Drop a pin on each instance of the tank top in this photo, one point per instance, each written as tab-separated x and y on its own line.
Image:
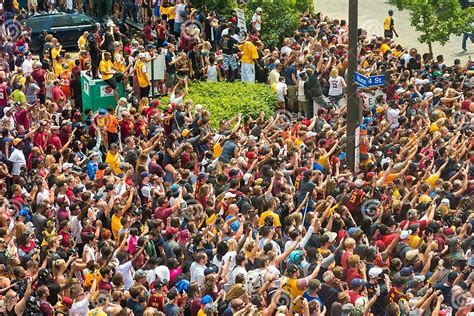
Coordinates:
335	86
142	77
3	96
119	65
65	82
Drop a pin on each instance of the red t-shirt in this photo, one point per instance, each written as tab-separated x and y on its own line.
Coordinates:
55	141
351	275
353	296
163	213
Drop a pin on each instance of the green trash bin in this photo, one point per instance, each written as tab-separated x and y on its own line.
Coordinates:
97	94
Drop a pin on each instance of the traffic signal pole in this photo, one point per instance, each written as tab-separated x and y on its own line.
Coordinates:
352	137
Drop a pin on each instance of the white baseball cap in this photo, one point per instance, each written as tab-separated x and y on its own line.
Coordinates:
375	272
404	234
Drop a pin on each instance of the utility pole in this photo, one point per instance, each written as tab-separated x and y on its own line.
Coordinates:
353	110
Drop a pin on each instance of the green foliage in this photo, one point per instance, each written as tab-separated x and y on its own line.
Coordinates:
222	6
226	99
437	20
279	18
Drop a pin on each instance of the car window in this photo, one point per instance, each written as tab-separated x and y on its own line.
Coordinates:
37	23
60	21
81	20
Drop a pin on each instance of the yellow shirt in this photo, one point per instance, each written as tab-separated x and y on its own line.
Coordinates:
58	68
387	23
424	199
54	53
249	52
323	160
217	150
413	241
171	13
82	41
291	287
119	62
434	127
276	218
116	225
113	161
384	48
142	77
105	66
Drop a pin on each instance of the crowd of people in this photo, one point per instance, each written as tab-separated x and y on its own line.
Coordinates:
144	209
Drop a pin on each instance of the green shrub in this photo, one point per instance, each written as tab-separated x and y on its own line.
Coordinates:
279	18
227	99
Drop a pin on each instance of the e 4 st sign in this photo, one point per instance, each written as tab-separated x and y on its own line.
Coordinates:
367	82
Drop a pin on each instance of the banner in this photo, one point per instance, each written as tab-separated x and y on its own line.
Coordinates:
156	68
241	20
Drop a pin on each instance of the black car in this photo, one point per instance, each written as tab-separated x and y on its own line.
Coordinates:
66	27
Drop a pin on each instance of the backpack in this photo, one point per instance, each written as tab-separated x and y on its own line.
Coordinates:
254	282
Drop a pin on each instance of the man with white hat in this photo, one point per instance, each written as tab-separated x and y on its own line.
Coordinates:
142	76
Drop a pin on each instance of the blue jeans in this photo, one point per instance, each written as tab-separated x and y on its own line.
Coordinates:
465	36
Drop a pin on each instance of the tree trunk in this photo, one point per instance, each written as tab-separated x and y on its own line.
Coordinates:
430	48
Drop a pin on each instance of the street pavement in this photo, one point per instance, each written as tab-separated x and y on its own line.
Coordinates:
371	17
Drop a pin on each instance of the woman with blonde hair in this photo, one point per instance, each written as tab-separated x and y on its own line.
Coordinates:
337	84
236	291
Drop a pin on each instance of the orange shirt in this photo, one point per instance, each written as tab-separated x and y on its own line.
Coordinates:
111	123
65	83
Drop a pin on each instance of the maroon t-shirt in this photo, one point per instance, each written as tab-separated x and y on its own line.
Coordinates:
163	213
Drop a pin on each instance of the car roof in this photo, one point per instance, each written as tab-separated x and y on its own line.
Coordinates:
42	15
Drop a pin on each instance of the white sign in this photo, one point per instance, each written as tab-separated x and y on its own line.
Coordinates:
106	91
370	99
241	20
86	87
356	149
156	68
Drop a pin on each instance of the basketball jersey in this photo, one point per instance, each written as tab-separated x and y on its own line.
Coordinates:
120	64
335	86
65	83
3	96
142	77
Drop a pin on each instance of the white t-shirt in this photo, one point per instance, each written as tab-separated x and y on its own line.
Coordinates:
238	270
281	89
220	263
180	8
392	117
126	270
80	308
176	100
257	20
197	273
27	66
162	272
42	196
18	160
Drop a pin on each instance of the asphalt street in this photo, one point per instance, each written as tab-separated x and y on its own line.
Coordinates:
371	16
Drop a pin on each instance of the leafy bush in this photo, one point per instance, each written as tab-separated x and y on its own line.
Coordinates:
279	18
227	99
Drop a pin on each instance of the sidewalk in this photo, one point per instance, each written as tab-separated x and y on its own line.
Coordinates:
371	16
